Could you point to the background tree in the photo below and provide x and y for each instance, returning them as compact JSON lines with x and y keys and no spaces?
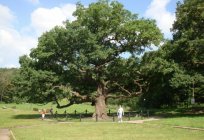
{"x":82,"y":62}
{"x":158,"y":71}
{"x":175,"y":73}
{"x":188,"y":35}
{"x":188,"y":42}
{"x":6,"y":76}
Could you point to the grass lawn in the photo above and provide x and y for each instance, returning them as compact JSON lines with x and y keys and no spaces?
{"x":196,"y":121}
{"x":105,"y":131}
{"x":27,"y":125}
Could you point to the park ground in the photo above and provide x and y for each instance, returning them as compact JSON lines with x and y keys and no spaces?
{"x":20,"y":122}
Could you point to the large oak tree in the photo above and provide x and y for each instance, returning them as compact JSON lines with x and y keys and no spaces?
{"x":81,"y":61}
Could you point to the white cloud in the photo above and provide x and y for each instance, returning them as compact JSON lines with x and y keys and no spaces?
{"x":158,"y":11}
{"x":12,"y":43}
{"x":43,"y":19}
{"x":15,"y":43}
{"x":6,"y":16}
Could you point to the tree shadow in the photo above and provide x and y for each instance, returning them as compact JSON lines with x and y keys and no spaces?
{"x":171,"y":113}
{"x":27,"y":116}
{"x":54,"y":116}
{"x":190,"y":112}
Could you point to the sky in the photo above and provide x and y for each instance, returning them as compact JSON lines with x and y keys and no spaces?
{"x":23,"y":21}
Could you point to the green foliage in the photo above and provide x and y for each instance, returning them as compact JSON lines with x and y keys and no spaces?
{"x":188,"y":45}
{"x":82,"y":59}
{"x":174,"y":73}
{"x":6,"y":86}
{"x":188,"y":31}
{"x":157,"y":72}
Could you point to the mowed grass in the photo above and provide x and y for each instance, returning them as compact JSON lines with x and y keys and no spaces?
{"x":188,"y":121}
{"x":27,"y":125}
{"x":24,"y":114}
{"x":105,"y":131}
{"x":12,"y":118}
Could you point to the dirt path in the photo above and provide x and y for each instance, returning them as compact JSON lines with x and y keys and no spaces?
{"x":4,"y":134}
{"x":142,"y":121}
{"x":154,"y":119}
{"x":190,"y":128}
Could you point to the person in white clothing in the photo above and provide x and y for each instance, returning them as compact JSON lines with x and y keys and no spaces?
{"x":120,"y":114}
{"x":43,"y":112}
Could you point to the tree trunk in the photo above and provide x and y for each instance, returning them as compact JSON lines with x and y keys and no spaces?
{"x":100,"y":104}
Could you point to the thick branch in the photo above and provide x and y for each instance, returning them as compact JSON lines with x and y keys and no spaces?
{"x":123,"y":89}
{"x":75,"y":99}
{"x":200,"y":63}
{"x":76,"y":94}
{"x":117,"y":97}
{"x":128,"y":93}
{"x":82,"y":71}
{"x":139,"y":85}
{"x":105,"y":82}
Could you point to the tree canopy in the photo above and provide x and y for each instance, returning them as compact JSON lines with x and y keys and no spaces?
{"x":81,"y":61}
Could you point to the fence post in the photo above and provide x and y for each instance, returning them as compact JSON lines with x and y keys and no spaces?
{"x":113,"y":118}
{"x":56,"y":114}
{"x":141,"y":114}
{"x":80,"y":117}
{"x":51,"y":112}
{"x":96,"y":117}
{"x":129,"y":116}
{"x":148,"y":113}
{"x":65,"y":113}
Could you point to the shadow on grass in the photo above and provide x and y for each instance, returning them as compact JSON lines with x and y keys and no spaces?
{"x":27,"y":116}
{"x":182,"y":112}
{"x":63,"y":117}
{"x":49,"y":116}
{"x":164,"y":113}
{"x":177,"y":115}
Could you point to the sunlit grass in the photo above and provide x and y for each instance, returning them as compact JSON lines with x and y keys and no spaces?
{"x":105,"y":131}
{"x":26,"y":124}
{"x":188,"y":121}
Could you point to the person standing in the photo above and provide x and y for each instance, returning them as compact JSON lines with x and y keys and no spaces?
{"x":43,"y":113}
{"x":120,"y":114}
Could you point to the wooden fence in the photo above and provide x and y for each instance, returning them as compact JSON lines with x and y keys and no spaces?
{"x":112,"y":116}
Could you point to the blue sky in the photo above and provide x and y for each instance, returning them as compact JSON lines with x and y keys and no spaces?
{"x":23,"y":21}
